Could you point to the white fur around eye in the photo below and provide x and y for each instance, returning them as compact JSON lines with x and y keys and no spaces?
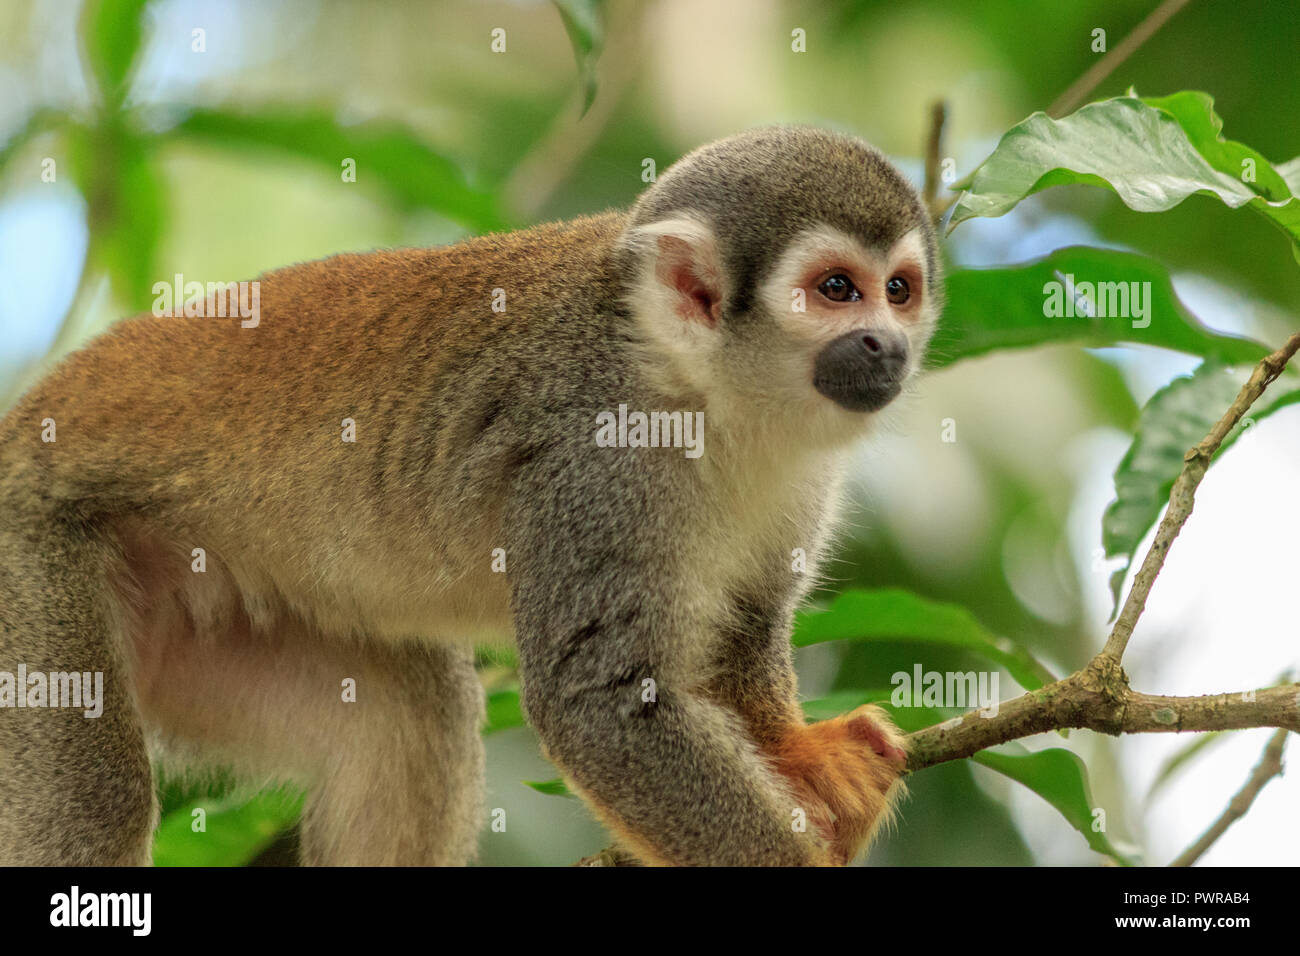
{"x":824,"y":247}
{"x":821,"y":244}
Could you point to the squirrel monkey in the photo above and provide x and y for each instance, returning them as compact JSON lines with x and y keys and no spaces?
{"x":402,"y":458}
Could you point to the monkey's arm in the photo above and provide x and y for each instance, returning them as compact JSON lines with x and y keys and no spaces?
{"x":599,"y":608}
{"x":843,"y":771}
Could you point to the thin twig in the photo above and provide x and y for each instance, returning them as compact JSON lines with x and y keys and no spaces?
{"x":933,"y":157}
{"x":1080,"y":89}
{"x":1269,"y":766}
{"x":1183,"y":494}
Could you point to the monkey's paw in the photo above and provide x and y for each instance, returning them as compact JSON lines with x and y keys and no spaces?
{"x":844,"y":771}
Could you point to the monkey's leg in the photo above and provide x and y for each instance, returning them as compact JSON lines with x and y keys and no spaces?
{"x":74,"y":790}
{"x":385,"y":738}
{"x":406,"y":786}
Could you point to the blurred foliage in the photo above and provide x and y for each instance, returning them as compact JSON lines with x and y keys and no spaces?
{"x":898,"y":615}
{"x":457,"y":126}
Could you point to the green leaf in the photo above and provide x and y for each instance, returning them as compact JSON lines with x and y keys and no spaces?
{"x":1181,"y":757}
{"x":892,"y":614}
{"x":503,"y":711}
{"x":552,"y":788}
{"x":1004,"y":308}
{"x":1176,"y":418}
{"x":1060,"y":778}
{"x":583,"y":23}
{"x":1153,"y":153}
{"x":237,"y":830}
{"x":1290,"y":172}
{"x":112,"y":30}
{"x":412,"y":173}
{"x":1204,"y":129}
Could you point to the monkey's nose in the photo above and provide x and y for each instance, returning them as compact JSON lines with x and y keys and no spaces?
{"x":862,"y":370}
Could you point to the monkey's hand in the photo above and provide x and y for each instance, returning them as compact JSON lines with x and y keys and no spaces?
{"x":844,"y":771}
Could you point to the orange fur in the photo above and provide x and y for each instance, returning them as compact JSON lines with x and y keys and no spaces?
{"x":845,"y":773}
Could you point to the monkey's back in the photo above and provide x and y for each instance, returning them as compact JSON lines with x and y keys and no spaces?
{"x":236,"y":436}
{"x":168,"y":402}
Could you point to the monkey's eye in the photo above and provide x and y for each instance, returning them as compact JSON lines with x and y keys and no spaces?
{"x":897,"y":290}
{"x":839,"y":288}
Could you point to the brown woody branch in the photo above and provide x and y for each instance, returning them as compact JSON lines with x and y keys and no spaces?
{"x":1269,"y":766}
{"x":1183,"y":495}
{"x":1098,"y":698}
{"x":933,"y":158}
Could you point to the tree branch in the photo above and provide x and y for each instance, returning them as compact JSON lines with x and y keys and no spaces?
{"x":1078,"y":91}
{"x":1097,"y":698}
{"x":1183,"y":495}
{"x":1269,"y":766}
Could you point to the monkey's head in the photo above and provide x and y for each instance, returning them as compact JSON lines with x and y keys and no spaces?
{"x":787,"y":272}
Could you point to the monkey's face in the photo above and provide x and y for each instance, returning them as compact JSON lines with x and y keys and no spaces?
{"x":829,"y":337}
{"x":852,"y":321}
{"x":789,"y":275}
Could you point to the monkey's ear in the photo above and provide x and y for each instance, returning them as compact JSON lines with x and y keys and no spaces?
{"x":686,"y":266}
